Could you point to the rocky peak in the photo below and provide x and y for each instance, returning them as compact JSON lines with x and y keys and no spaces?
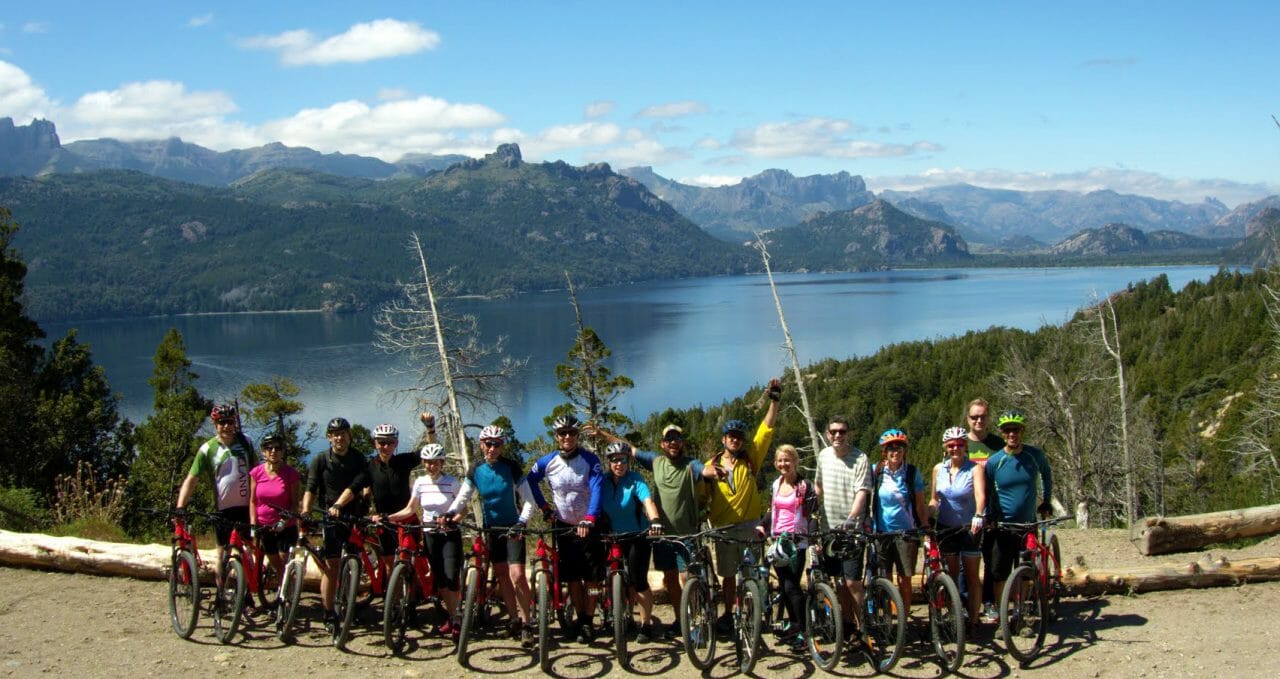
{"x":507,"y":154}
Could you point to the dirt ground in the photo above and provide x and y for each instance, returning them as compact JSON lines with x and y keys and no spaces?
{"x":85,"y":626}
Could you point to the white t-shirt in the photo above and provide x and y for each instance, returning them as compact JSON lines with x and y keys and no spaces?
{"x":840,"y":479}
{"x":437,"y":496}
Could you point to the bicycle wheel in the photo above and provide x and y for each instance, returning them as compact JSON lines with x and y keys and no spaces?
{"x":621,"y":613}
{"x":268,"y":588}
{"x":886,"y":623}
{"x":1022,"y":615}
{"x":395,"y":609}
{"x":1055,"y":574}
{"x":698,"y":622}
{"x":364,"y":592}
{"x":184,"y":593}
{"x":470,"y":588}
{"x":230,"y":603}
{"x":287,"y":602}
{"x":823,"y":628}
{"x":946,"y":621}
{"x":747,"y":633}
{"x":542,"y":585}
{"x":344,"y":601}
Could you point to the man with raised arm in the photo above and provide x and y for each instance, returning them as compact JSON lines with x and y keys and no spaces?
{"x":735,"y":495}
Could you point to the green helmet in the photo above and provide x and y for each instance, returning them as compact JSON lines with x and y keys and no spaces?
{"x":1011,"y":418}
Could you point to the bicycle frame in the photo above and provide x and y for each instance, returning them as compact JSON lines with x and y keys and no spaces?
{"x":358,"y":544}
{"x":413,"y":551}
{"x":183,"y":539}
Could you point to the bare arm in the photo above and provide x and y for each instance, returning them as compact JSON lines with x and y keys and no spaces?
{"x":184,"y":493}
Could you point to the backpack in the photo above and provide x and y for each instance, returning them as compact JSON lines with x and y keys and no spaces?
{"x":911,"y":484}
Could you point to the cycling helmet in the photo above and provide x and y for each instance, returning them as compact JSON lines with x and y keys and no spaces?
{"x":734,"y":425}
{"x":273,"y":439}
{"x":223,"y":413}
{"x":617,"y":448}
{"x":782,"y":552}
{"x":1011,"y":418}
{"x":432,"y":451}
{"x":893,"y":435}
{"x":954,"y":433}
{"x":492,"y":431}
{"x":386,"y":431}
{"x":569,"y":421}
{"x":338,"y":424}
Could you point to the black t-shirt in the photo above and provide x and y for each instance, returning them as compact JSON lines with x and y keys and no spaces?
{"x":390,"y":481}
{"x":331,"y":474}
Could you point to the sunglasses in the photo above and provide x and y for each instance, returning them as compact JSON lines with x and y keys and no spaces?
{"x":1011,"y":430}
{"x":618,"y":460}
{"x":837,"y":432}
{"x":491,"y":444}
{"x":976,"y":418}
{"x":273,"y":449}
{"x":383,"y":442}
{"x":895,"y":447}
{"x":567,"y":433}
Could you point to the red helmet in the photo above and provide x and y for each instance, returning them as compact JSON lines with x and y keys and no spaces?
{"x":223,"y":413}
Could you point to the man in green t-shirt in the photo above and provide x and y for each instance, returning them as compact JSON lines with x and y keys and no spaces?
{"x":225,"y":460}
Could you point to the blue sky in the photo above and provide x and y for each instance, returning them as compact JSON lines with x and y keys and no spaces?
{"x":1170,"y":99}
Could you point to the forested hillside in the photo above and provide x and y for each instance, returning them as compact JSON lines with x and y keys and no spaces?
{"x":1193,"y":361}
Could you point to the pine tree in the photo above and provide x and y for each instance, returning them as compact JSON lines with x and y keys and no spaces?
{"x":20,"y":354}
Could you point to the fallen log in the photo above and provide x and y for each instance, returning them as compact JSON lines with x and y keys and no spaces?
{"x":1207,"y":572}
{"x":1168,"y":534}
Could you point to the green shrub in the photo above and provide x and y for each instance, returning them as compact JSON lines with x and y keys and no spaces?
{"x":21,"y":510}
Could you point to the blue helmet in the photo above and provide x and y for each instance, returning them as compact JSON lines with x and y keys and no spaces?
{"x":734,"y":425}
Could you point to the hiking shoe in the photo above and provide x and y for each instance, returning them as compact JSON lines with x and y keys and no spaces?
{"x":515,"y":629}
{"x":586,"y":632}
{"x":527,"y":636}
{"x":673,"y":630}
{"x":445,"y":628}
{"x":724,"y":624}
{"x":646,"y":634}
{"x":330,"y":621}
{"x":798,"y":645}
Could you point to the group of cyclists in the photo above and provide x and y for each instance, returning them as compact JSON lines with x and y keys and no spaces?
{"x":982,"y":478}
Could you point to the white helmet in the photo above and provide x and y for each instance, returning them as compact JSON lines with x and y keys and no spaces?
{"x":493,"y":431}
{"x":432,"y":451}
{"x":782,"y":551}
{"x":386,"y":431}
{"x":954,"y":433}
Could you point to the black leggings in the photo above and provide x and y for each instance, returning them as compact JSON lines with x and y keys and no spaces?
{"x":792,"y":592}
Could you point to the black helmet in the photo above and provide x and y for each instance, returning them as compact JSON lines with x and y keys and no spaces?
{"x":569,"y":421}
{"x":338,"y":424}
{"x":272,"y":439}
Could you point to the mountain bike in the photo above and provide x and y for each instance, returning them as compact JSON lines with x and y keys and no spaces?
{"x":885,"y":617}
{"x":548,"y":593}
{"x":295,"y":572}
{"x":1025,"y":607}
{"x":411,"y":581}
{"x":698,"y":598}
{"x":748,"y":604}
{"x":478,"y":589}
{"x":823,"y":621}
{"x":946,"y":609}
{"x":243,"y":575}
{"x":184,"y":573}
{"x":617,"y":608}
{"x":360,"y":560}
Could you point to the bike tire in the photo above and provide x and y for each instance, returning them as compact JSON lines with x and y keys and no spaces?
{"x":287,"y":602}
{"x":230,"y":603}
{"x":184,"y":593}
{"x":470,"y":587}
{"x":395,"y":609}
{"x":823,"y":626}
{"x":886,"y":623}
{"x":1023,"y":619}
{"x":542,"y":585}
{"x":946,"y":621}
{"x":267,"y":595}
{"x":697,"y":622}
{"x":747,"y":631}
{"x":344,"y":601}
{"x":1055,"y":575}
{"x":621,"y":614}
{"x":364,"y":593}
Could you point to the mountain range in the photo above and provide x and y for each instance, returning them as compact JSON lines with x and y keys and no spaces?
{"x":873,"y":236}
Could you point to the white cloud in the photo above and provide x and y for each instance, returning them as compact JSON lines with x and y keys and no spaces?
{"x":598,"y":109}
{"x":20,"y":98}
{"x":572,"y":136}
{"x":35,"y":27}
{"x":423,"y":125}
{"x":198,"y":21}
{"x":675,"y":109}
{"x":1135,"y":182}
{"x":642,"y":152}
{"x":380,"y":39}
{"x":711,"y":180}
{"x":819,"y":137}
{"x":393,"y":94}
{"x":157,"y":109}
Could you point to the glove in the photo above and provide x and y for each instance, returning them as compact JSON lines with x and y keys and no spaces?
{"x":516,"y":531}
{"x":586,"y":524}
{"x":760,"y":532}
{"x":548,"y":513}
{"x":1045,"y":508}
{"x":655,"y":528}
{"x":975,"y":526}
{"x":253,"y":533}
{"x":775,"y":390}
{"x":850,"y":523}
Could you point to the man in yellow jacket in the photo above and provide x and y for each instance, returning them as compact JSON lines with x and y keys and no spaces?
{"x":735,"y":496}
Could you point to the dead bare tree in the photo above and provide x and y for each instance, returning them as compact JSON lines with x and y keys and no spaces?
{"x":1109,"y":327}
{"x":791,"y":349}
{"x":1259,"y":437}
{"x":454,"y":368}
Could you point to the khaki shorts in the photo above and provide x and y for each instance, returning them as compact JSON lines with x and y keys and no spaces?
{"x":729,"y":553}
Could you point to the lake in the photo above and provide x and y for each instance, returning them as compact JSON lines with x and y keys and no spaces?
{"x":684,"y":343}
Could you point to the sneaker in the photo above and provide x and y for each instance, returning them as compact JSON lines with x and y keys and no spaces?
{"x":646,"y":634}
{"x":586,"y":632}
{"x":455,"y":628}
{"x":798,"y":645}
{"x":445,"y":628}
{"x":527,"y":636}
{"x":674,"y":631}
{"x":515,"y":629}
{"x":724,"y":624}
{"x":989,"y":614}
{"x":330,"y":621}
